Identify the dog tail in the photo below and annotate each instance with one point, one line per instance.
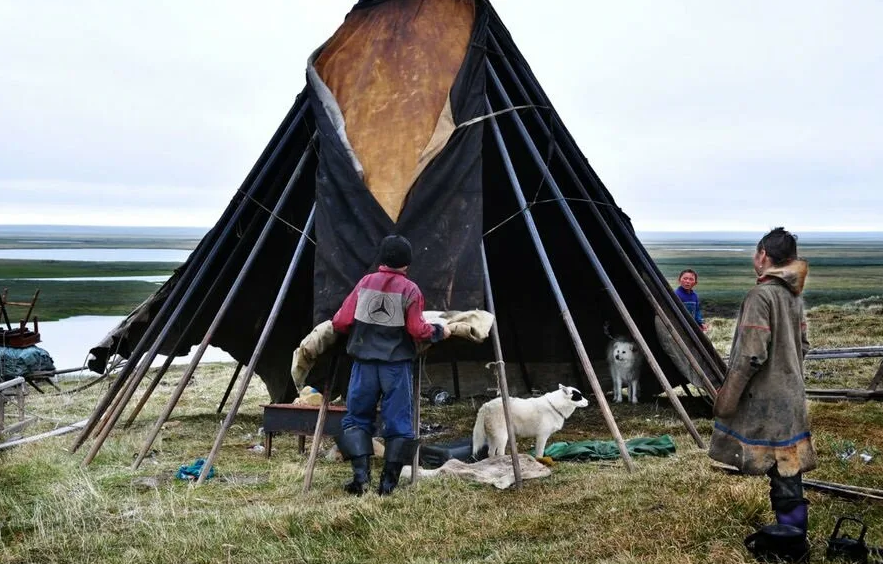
(478, 433)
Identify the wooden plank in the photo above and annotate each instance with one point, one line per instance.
(41, 436)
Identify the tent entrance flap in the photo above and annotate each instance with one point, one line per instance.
(390, 68)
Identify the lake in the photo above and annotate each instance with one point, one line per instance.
(98, 255)
(68, 341)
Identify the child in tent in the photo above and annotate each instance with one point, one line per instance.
(687, 280)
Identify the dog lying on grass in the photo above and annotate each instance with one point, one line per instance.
(532, 417)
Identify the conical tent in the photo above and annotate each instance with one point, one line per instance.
(422, 119)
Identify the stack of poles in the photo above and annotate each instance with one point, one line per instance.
(599, 269)
(599, 220)
(184, 288)
(281, 204)
(538, 97)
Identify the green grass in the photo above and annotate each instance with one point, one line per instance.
(675, 509)
(839, 273)
(60, 299)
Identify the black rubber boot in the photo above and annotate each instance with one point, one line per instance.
(399, 451)
(355, 445)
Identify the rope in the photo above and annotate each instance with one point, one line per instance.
(535, 202)
(270, 212)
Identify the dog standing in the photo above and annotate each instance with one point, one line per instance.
(624, 360)
(533, 417)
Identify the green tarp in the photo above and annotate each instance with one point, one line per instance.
(607, 450)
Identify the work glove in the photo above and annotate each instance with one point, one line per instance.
(728, 395)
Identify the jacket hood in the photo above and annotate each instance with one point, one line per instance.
(792, 275)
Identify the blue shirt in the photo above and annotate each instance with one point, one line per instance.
(691, 302)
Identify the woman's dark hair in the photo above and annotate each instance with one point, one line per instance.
(691, 271)
(780, 246)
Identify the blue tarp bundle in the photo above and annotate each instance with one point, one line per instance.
(16, 362)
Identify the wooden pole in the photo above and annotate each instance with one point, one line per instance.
(320, 426)
(500, 370)
(642, 284)
(196, 270)
(281, 203)
(229, 388)
(149, 391)
(415, 414)
(262, 341)
(702, 344)
(596, 264)
(559, 296)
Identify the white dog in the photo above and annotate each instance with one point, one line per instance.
(532, 417)
(624, 360)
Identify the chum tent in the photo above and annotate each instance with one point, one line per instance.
(421, 119)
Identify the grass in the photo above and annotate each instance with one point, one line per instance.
(60, 299)
(675, 509)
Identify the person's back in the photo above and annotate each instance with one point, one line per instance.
(381, 327)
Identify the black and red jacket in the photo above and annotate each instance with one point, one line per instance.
(383, 316)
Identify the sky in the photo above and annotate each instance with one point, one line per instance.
(734, 115)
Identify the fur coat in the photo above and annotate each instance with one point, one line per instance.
(761, 408)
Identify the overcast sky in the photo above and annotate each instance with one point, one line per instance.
(697, 115)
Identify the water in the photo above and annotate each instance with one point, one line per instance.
(98, 255)
(157, 279)
(68, 341)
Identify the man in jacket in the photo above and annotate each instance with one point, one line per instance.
(383, 316)
(762, 425)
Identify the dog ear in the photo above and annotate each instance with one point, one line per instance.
(634, 348)
(561, 387)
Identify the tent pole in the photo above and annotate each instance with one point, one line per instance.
(415, 414)
(598, 267)
(262, 341)
(500, 370)
(229, 388)
(320, 427)
(123, 400)
(228, 301)
(193, 274)
(704, 347)
(642, 284)
(117, 403)
(559, 296)
(252, 224)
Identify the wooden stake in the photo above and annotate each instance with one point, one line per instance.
(320, 426)
(500, 370)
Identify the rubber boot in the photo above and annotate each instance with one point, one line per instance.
(797, 516)
(399, 451)
(355, 445)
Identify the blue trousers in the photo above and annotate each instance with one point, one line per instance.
(386, 382)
